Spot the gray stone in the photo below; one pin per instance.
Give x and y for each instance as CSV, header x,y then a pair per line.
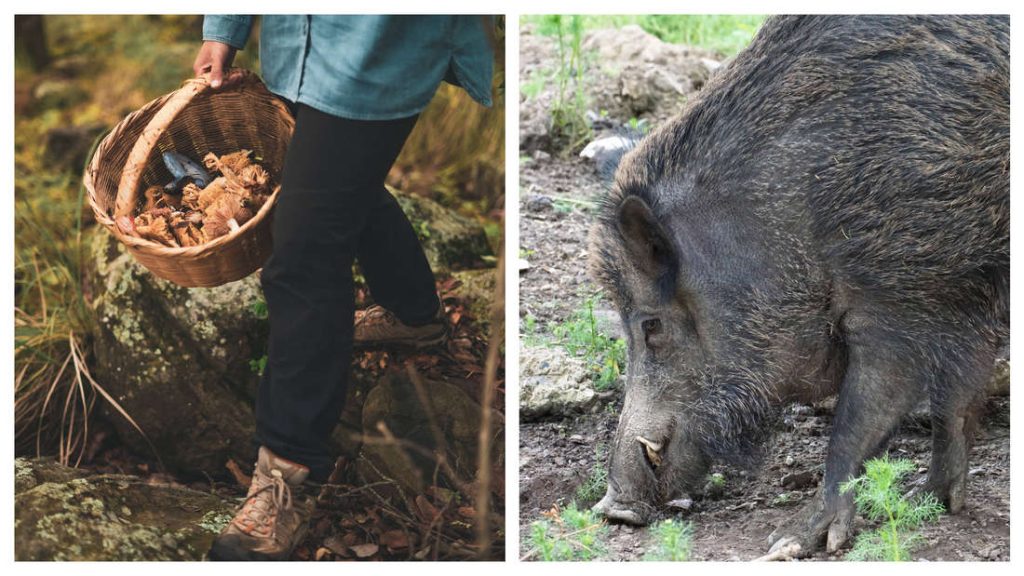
x,y
552,383
653,77
111,517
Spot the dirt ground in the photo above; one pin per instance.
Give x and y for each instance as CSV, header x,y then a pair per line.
x,y
557,201
556,457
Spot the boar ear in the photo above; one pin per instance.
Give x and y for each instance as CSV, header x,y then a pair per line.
x,y
645,238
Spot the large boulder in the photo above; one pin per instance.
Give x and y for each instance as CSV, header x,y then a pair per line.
x,y
177,360
180,361
61,514
396,404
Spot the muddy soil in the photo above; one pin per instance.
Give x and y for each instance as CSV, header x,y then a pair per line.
x,y
559,193
556,458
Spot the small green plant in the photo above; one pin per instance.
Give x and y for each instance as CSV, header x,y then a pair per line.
x,y
568,535
612,367
529,330
568,112
580,337
594,486
878,497
259,310
785,499
563,206
258,365
714,488
726,34
672,541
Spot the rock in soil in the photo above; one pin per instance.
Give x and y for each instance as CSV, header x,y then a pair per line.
x,y
396,403
553,384
60,515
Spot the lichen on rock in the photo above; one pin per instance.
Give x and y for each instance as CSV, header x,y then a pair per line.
x,y
110,517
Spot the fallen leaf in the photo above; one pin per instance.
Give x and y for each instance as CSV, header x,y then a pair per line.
x,y
365,550
337,545
321,552
395,539
243,479
427,512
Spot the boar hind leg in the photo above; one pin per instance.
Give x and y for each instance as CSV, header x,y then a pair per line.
x,y
957,398
881,383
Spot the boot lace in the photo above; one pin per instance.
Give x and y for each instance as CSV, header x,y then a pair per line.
x,y
256,516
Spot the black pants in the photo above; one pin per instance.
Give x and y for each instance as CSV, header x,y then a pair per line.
x,y
333,208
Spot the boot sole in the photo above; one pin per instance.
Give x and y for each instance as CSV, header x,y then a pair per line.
x,y
220,552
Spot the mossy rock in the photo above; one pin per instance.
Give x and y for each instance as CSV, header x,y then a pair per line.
x,y
114,517
177,360
477,291
450,241
394,402
29,473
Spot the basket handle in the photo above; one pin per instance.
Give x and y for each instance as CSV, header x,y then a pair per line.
x,y
127,188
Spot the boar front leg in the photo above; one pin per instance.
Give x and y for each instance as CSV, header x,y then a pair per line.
x,y
881,383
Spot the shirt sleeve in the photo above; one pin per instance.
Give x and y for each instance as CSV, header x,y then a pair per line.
x,y
230,29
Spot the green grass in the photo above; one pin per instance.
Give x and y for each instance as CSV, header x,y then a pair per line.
x,y
878,496
593,488
569,127
569,535
672,541
725,34
580,336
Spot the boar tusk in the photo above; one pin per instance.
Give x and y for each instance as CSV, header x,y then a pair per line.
x,y
652,449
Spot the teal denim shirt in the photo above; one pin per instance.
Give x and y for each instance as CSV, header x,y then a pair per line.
x,y
365,67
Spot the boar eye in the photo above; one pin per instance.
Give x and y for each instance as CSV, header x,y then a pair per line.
x,y
651,328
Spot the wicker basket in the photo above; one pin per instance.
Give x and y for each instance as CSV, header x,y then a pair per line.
x,y
192,120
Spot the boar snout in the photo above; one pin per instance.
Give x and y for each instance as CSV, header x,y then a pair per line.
x,y
612,508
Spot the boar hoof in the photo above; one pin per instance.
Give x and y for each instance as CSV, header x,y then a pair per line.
x,y
820,522
951,493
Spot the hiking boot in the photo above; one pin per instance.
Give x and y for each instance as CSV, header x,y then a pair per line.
x,y
274,517
377,326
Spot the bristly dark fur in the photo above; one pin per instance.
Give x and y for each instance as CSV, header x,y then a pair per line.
x,y
869,157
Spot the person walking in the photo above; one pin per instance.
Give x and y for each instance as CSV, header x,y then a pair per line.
x,y
356,85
